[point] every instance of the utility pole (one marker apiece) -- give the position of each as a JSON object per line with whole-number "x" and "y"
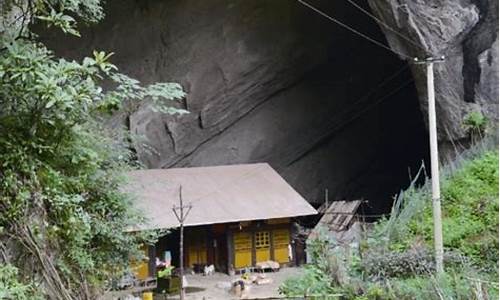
{"x": 181, "y": 216}
{"x": 436, "y": 191}
{"x": 429, "y": 62}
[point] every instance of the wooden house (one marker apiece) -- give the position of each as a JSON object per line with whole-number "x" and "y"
{"x": 241, "y": 214}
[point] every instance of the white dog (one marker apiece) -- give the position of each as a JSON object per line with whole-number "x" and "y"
{"x": 209, "y": 270}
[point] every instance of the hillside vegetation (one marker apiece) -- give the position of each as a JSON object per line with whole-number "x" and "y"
{"x": 63, "y": 219}
{"x": 395, "y": 260}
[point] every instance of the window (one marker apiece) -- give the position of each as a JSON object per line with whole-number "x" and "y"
{"x": 262, "y": 239}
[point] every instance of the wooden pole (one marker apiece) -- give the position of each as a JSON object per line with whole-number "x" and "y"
{"x": 181, "y": 217}
{"x": 181, "y": 247}
{"x": 436, "y": 194}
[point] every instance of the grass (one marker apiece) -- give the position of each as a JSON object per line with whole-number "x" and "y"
{"x": 470, "y": 211}
{"x": 396, "y": 260}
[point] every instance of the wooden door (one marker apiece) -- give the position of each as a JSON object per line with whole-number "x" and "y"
{"x": 141, "y": 268}
{"x": 262, "y": 246}
{"x": 197, "y": 254}
{"x": 196, "y": 246}
{"x": 281, "y": 240}
{"x": 242, "y": 249}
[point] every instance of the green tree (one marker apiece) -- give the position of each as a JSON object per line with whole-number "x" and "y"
{"x": 62, "y": 215}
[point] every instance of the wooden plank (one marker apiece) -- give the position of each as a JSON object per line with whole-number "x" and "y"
{"x": 339, "y": 215}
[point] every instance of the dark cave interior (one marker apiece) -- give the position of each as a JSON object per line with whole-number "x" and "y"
{"x": 382, "y": 94}
{"x": 344, "y": 116}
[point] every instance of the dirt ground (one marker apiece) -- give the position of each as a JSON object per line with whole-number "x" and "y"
{"x": 205, "y": 287}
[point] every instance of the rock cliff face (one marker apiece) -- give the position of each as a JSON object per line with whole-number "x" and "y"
{"x": 466, "y": 33}
{"x": 273, "y": 81}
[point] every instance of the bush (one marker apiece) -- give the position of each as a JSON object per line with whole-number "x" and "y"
{"x": 11, "y": 288}
{"x": 313, "y": 281}
{"x": 323, "y": 274}
{"x": 408, "y": 263}
{"x": 447, "y": 286}
{"x": 475, "y": 124}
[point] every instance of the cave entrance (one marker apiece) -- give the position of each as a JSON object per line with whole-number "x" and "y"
{"x": 379, "y": 140}
{"x": 268, "y": 81}
{"x": 376, "y": 145}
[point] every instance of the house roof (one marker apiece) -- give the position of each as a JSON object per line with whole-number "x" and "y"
{"x": 220, "y": 194}
{"x": 339, "y": 215}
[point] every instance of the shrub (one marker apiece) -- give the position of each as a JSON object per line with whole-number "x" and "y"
{"x": 323, "y": 274}
{"x": 312, "y": 281}
{"x": 447, "y": 286}
{"x": 11, "y": 288}
{"x": 408, "y": 263}
{"x": 475, "y": 124}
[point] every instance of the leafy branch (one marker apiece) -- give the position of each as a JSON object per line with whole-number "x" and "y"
{"x": 62, "y": 213}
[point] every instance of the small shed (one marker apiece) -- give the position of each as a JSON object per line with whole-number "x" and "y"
{"x": 241, "y": 214}
{"x": 339, "y": 216}
{"x": 338, "y": 219}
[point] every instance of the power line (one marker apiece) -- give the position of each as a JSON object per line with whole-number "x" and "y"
{"x": 253, "y": 171}
{"x": 381, "y": 99}
{"x": 385, "y": 25}
{"x": 383, "y": 83}
{"x": 354, "y": 30}
{"x": 335, "y": 127}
